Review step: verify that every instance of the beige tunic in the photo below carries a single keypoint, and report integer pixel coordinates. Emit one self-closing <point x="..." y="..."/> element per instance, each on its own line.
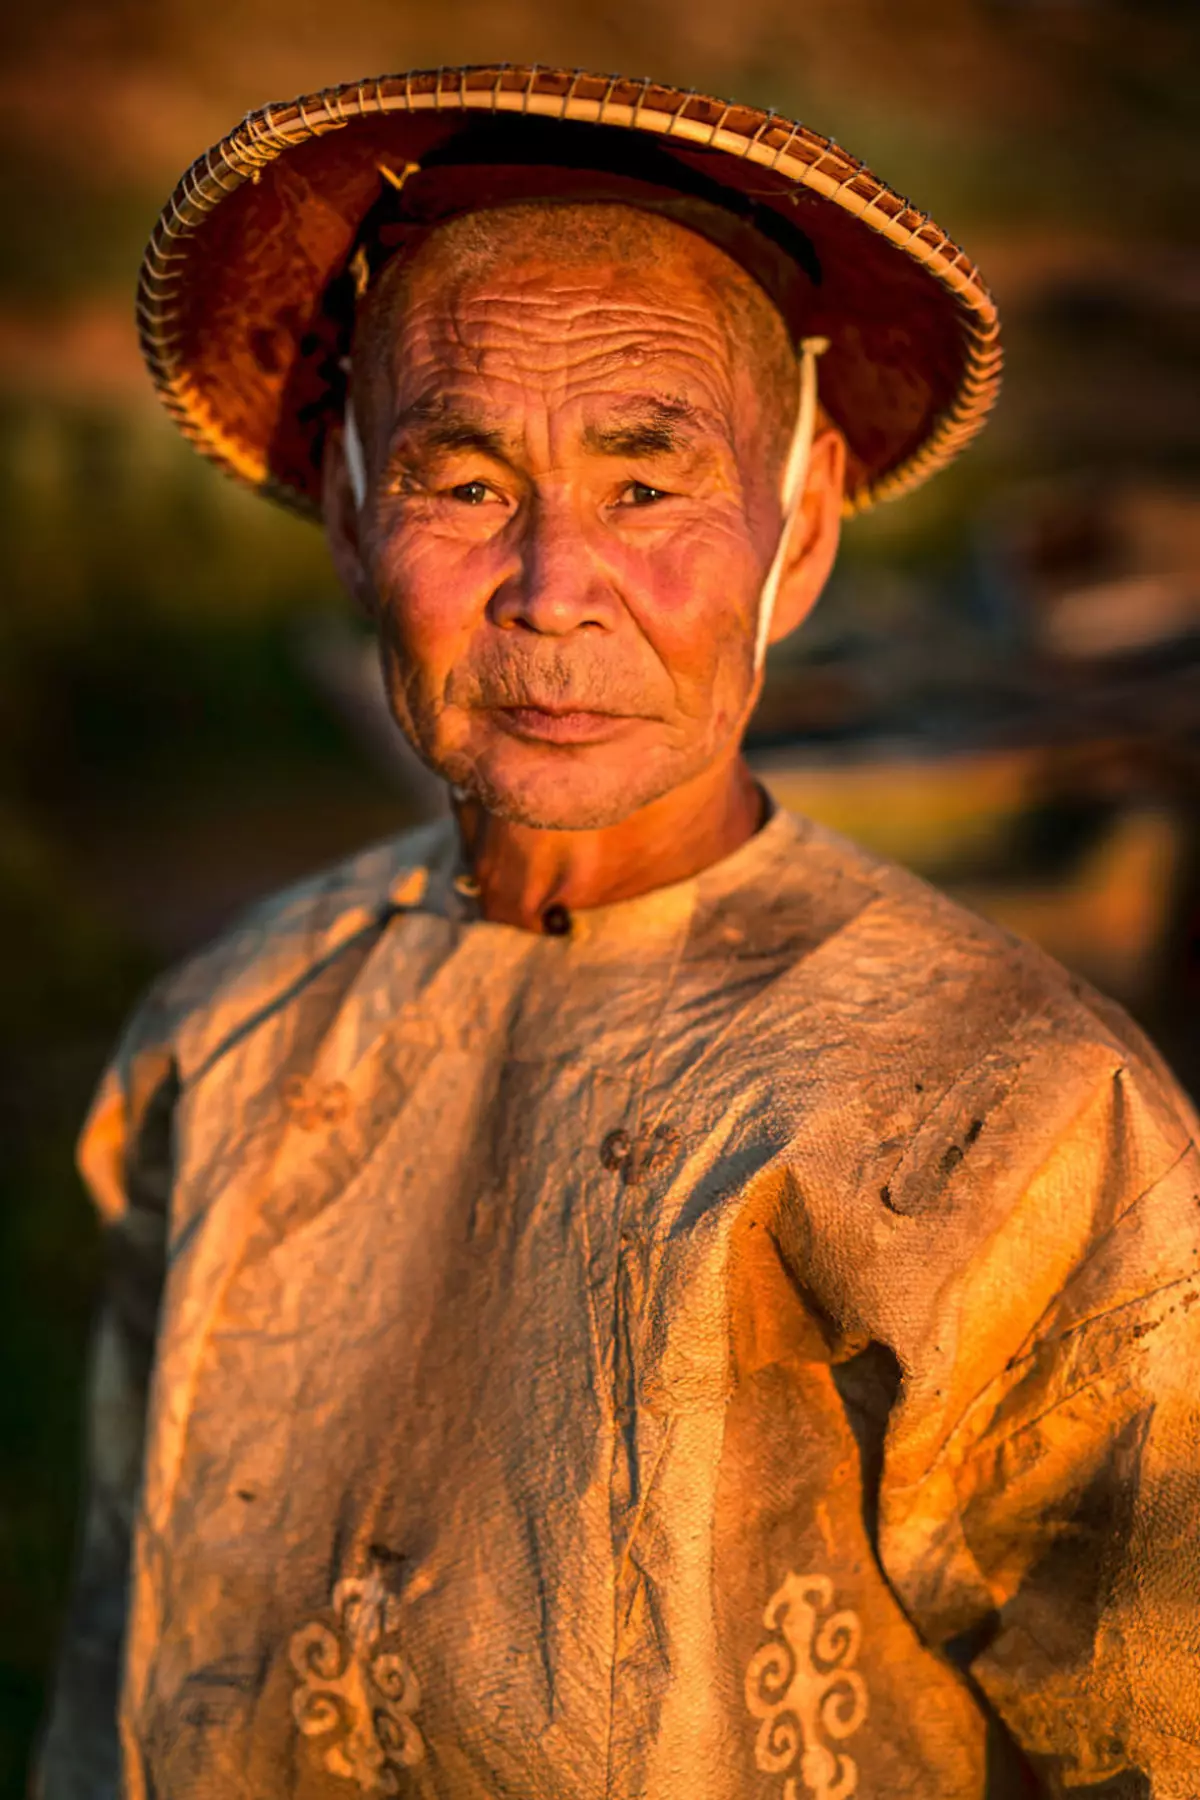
<point x="743" y="1349"/>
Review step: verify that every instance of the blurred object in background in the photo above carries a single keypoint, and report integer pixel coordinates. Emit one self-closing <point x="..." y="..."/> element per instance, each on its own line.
<point x="1002" y="686"/>
<point x="1109" y="570"/>
<point x="343" y="665"/>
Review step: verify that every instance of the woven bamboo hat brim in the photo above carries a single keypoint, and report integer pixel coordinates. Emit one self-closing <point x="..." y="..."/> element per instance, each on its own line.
<point x="246" y="350"/>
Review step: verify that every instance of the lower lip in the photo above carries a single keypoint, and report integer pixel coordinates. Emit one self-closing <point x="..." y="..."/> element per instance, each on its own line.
<point x="561" y="728"/>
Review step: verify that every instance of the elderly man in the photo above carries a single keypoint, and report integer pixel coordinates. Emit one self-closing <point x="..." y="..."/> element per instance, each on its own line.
<point x="622" y="1295"/>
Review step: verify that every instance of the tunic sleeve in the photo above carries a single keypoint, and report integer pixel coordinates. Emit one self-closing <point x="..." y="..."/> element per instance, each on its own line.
<point x="1070" y="1504"/>
<point x="1081" y="1501"/>
<point x="125" y="1158"/>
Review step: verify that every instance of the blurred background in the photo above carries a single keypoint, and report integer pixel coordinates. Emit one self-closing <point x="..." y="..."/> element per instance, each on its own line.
<point x="1002" y="687"/>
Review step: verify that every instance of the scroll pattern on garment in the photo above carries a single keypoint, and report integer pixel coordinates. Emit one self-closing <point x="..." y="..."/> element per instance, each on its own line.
<point x="806" y="1692"/>
<point x="355" y="1683"/>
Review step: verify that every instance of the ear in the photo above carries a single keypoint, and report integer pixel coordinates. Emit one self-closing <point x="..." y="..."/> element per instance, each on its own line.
<point x="813" y="540"/>
<point x="343" y="523"/>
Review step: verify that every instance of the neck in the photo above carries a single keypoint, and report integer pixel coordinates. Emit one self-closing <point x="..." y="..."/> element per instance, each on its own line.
<point x="521" y="870"/>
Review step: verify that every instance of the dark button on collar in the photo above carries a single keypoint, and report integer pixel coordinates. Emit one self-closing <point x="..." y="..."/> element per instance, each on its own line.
<point x="556" y="920"/>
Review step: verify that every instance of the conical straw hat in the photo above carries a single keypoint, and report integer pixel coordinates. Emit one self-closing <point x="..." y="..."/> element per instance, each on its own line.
<point x="246" y="339"/>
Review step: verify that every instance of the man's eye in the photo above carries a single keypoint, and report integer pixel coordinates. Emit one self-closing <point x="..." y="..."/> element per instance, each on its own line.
<point x="640" y="493"/>
<point x="471" y="493"/>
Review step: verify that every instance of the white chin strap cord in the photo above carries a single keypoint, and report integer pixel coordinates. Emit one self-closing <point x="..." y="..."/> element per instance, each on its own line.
<point x="795" y="479"/>
<point x="356" y="462"/>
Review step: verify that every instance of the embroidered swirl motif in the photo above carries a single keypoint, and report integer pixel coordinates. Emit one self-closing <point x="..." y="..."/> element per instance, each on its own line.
<point x="351" y="1683"/>
<point x="806" y="1690"/>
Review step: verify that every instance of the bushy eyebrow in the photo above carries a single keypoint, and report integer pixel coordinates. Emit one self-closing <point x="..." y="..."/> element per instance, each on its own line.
<point x="437" y="425"/>
<point x="641" y="427"/>
<point x="648" y="428"/>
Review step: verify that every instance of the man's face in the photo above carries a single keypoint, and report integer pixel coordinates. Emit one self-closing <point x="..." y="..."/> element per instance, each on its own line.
<point x="572" y="504"/>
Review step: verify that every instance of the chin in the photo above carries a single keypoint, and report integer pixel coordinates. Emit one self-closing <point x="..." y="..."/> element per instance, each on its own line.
<point x="551" y="793"/>
<point x="555" y="815"/>
<point x="554" y="806"/>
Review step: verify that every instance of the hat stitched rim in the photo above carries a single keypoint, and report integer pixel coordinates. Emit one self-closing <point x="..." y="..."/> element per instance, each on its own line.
<point x="767" y="139"/>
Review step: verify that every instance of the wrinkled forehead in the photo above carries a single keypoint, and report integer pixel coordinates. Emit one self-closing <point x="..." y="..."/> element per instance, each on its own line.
<point x="568" y="291"/>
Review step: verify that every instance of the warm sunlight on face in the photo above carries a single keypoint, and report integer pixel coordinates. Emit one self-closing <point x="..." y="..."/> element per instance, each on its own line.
<point x="572" y="502"/>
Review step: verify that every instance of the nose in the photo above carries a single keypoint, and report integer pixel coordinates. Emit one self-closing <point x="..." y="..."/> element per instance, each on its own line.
<point x="558" y="585"/>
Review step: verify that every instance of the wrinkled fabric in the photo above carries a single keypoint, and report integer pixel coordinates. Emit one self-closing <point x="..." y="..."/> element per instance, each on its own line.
<point x="743" y="1347"/>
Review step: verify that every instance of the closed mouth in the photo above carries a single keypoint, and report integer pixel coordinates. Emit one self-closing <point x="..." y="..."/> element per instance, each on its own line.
<point x="559" y="724"/>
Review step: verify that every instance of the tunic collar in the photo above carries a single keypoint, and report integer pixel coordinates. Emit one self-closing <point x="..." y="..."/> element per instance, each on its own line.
<point x="651" y="922"/>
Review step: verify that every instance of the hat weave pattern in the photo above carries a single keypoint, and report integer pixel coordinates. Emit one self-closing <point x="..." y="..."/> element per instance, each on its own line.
<point x="765" y="140"/>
